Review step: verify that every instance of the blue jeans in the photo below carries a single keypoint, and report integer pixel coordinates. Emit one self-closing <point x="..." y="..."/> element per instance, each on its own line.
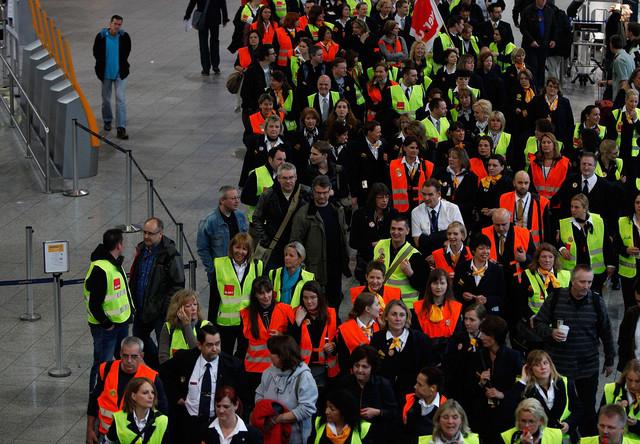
<point x="106" y="346"/>
<point x="121" y="111"/>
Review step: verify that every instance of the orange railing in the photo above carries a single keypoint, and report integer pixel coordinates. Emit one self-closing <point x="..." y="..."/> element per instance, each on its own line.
<point x="58" y="47"/>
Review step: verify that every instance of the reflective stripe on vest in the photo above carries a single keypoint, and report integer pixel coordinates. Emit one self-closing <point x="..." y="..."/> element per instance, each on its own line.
<point x="538" y="292"/>
<point x="398" y="279"/>
<point x="233" y="296"/>
<point x="508" y="202"/>
<point x="108" y="399"/>
<point x="126" y="435"/>
<point x="263" y="181"/>
<point x="627" y="264"/>
<point x="402" y="105"/>
<point x="595" y="243"/>
<point x="281" y="8"/>
<point x="244" y="57"/>
<point x="328" y="335"/>
<point x="284" y="41"/>
<point x="617" y="114"/>
<point x="117" y="300"/>
<point x="521" y="238"/>
<point x="400" y="185"/>
<point x="276" y="277"/>
<point x="619" y="164"/>
<point x="443" y="329"/>
<point x="549" y="186"/>
<point x="178" y="342"/>
<point x="257" y="358"/>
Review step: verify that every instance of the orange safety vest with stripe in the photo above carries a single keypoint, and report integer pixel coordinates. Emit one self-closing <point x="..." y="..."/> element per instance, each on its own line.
<point x="108" y="399"/>
<point x="549" y="186"/>
<point x="353" y="336"/>
<point x="400" y="185"/>
<point x="244" y="57"/>
<point x="440" y="259"/>
<point x="257" y="121"/>
<point x="285" y="42"/>
<point x="477" y="167"/>
<point x="396" y="47"/>
<point x="329" y="52"/>
<point x="521" y="238"/>
<point x="268" y="34"/>
<point x="445" y="327"/>
<point x="257" y="358"/>
<point x="388" y="293"/>
<point x="328" y="335"/>
<point x="508" y="202"/>
<point x="410" y="400"/>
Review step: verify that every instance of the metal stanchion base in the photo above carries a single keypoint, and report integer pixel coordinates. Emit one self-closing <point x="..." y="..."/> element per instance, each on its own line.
<point x="60" y="372"/>
<point x="30" y="317"/>
<point x="79" y="193"/>
<point x="128" y="228"/>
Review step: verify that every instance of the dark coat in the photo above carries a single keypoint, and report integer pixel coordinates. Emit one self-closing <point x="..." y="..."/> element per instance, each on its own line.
<point x="365" y="170"/>
<point x="530" y="30"/>
<point x="626" y="337"/>
<point x="251" y="436"/>
<point x="562" y="117"/>
<point x="599" y="199"/>
<point x="464" y="196"/>
<point x="253" y="86"/>
<point x="485" y="32"/>
<point x="491" y="285"/>
<point x="166" y="277"/>
<point x="100" y="53"/>
<point x="216" y="12"/>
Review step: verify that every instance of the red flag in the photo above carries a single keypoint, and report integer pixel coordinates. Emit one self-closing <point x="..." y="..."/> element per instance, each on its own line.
<point x="426" y="21"/>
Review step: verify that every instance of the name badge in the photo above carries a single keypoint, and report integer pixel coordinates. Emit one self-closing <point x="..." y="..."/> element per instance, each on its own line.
<point x="365" y="185"/>
<point x="228" y="290"/>
<point x="116" y="284"/>
<point x="400" y="105"/>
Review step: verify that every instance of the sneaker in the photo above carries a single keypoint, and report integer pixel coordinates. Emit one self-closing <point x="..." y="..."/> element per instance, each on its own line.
<point x="107" y="126"/>
<point x="122" y="133"/>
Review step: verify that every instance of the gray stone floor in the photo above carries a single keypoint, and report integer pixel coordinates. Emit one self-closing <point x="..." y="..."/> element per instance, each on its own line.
<point x="184" y="134"/>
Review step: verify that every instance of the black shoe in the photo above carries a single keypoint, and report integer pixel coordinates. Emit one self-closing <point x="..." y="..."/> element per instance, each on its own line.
<point x="204" y="73"/>
<point x="107" y="126"/>
<point x="122" y="133"/>
<point x="216" y="71"/>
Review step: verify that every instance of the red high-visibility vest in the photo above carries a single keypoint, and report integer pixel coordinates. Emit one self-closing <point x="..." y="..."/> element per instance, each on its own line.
<point x="388" y="293"/>
<point x="328" y="335"/>
<point x="443" y="329"/>
<point x="549" y="186"/>
<point x="353" y="336"/>
<point x="286" y="47"/>
<point x="244" y="57"/>
<point x="329" y="53"/>
<point x="521" y="238"/>
<point x="478" y="168"/>
<point x="257" y="121"/>
<point x="400" y="185"/>
<point x="440" y="259"/>
<point x="257" y="358"/>
<point x="396" y="47"/>
<point x="508" y="202"/>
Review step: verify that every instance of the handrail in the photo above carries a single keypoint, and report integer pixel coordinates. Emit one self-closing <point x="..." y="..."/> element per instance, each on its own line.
<point x="128" y="152"/>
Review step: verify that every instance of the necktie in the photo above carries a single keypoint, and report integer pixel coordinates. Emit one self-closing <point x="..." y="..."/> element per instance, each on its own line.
<point x="325" y="108"/>
<point x="585" y="186"/>
<point x="434" y="221"/>
<point x="520" y="213"/>
<point x="501" y="245"/>
<point x="437" y="125"/>
<point x="205" y="392"/>
<point x="396" y="344"/>
<point x="407" y="92"/>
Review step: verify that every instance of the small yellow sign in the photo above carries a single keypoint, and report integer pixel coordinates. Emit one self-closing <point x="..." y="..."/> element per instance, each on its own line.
<point x="55" y="248"/>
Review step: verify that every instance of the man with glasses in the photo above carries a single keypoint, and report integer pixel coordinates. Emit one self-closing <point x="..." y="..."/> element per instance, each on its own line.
<point x="218" y="228"/>
<point x="157" y="273"/>
<point x="106" y="398"/>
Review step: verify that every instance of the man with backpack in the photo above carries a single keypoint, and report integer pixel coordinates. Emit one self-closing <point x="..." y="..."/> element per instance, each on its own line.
<point x="572" y="323"/>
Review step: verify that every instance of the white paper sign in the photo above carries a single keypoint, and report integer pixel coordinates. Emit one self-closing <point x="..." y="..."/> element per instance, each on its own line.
<point x="56" y="256"/>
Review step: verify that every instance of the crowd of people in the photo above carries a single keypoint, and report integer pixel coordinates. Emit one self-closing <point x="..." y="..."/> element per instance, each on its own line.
<point x="480" y="221"/>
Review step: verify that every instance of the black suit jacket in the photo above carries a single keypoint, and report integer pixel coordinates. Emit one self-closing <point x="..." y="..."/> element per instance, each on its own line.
<point x="530" y="30"/>
<point x="176" y="373"/>
<point x="599" y="199"/>
<point x="216" y="13"/>
<point x="366" y="169"/>
<point x="485" y="32"/>
<point x="491" y="285"/>
<point x="562" y="118"/>
<point x="626" y="337"/>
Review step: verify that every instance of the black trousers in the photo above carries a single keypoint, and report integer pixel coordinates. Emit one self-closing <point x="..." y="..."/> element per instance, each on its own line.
<point x="586" y="388"/>
<point x="228" y="337"/>
<point x="190" y="429"/>
<point x="537" y="58"/>
<point x="628" y="291"/>
<point x="208" y="39"/>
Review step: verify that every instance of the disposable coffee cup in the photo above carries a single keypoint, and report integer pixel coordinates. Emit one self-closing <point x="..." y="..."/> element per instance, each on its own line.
<point x="565" y="331"/>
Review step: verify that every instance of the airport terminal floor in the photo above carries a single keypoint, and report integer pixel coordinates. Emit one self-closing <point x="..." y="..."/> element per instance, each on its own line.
<point x="185" y="135"/>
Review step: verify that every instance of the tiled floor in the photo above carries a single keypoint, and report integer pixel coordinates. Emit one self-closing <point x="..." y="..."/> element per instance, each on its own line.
<point x="183" y="133"/>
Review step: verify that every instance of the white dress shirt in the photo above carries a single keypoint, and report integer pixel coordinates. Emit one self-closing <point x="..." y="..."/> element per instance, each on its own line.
<point x="425" y="408"/>
<point x="240" y="427"/>
<point x="549" y="396"/>
<point x="192" y="403"/>
<point x="591" y="182"/>
<point x="421" y="217"/>
<point x="526" y="200"/>
<point x="240" y="269"/>
<point x="474" y="268"/>
<point x="403" y="338"/>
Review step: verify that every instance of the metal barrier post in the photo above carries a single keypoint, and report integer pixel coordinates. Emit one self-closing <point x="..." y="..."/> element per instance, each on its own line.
<point x="76" y="191"/>
<point x="149" y="198"/>
<point x="27" y="130"/>
<point x="179" y="237"/>
<point x="128" y="227"/>
<point x="192" y="274"/>
<point x="29" y="315"/>
<point x="11" y="101"/>
<point x="58" y="371"/>
<point x="47" y="160"/>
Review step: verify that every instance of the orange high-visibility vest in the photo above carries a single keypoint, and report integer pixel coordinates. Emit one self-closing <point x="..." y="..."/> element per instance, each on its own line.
<point x="257" y="358"/>
<point x="549" y="186"/>
<point x="443" y="329"/>
<point x="286" y="47"/>
<point x="396" y="47"/>
<point x="521" y="238"/>
<point x="244" y="57"/>
<point x="269" y="33"/>
<point x="329" y="53"/>
<point x="400" y="185"/>
<point x="353" y="336"/>
<point x="108" y="399"/>
<point x="328" y="335"/>
<point x="478" y="168"/>
<point x="257" y="121"/>
<point x="508" y="202"/>
<point x="440" y="259"/>
<point x="388" y="293"/>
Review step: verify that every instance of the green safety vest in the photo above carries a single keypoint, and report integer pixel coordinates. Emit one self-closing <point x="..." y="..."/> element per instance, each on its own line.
<point x="471" y="438"/>
<point x="402" y="105"/>
<point x="475" y="93"/>
<point x="335" y="96"/>
<point x="532" y="148"/>
<point x="508" y="49"/>
<point x="503" y="144"/>
<point x="595" y="241"/>
<point x="474" y="44"/>
<point x="315" y="29"/>
<point x="117" y="302"/>
<point x="276" y="278"/>
<point x="617" y="114"/>
<point x="549" y="435"/>
<point x="233" y="296"/>
<point x="539" y="293"/>
<point x="432" y="132"/>
<point x="263" y="181"/>
<point x="576" y="133"/>
<point x="613" y="393"/>
<point x="619" y="165"/>
<point x="294" y="66"/>
<point x="596" y="440"/>
<point x="178" y="342"/>
<point x="289" y="124"/>
<point x="281" y="8"/>
<point x="392" y="73"/>
<point x="126" y="435"/>
<point x="353" y="3"/>
<point x="446" y="43"/>
<point x="626" y="264"/>
<point x="356" y="436"/>
<point x="398" y="279"/>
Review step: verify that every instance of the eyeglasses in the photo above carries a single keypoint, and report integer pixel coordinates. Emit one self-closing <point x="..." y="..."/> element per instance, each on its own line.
<point x="126" y="357"/>
<point x="151" y="233"/>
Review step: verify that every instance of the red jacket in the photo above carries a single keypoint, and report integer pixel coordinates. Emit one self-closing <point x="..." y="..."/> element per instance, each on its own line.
<point x="279" y="433"/>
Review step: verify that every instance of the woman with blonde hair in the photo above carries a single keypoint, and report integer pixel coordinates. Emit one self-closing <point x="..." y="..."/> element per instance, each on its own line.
<point x="423" y="63"/>
<point x="450" y="424"/>
<point x="531" y="426"/>
<point x="184" y="319"/>
<point x="556" y="393"/>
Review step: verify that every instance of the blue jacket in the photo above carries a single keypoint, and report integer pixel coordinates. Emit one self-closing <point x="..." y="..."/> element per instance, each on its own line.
<point x="213" y="237"/>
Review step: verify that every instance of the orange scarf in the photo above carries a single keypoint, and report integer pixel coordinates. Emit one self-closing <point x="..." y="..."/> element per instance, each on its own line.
<point x="552" y="105"/>
<point x="549" y="278"/>
<point x="341" y="438"/>
<point x="435" y="314"/>
<point x="529" y="94"/>
<point x="490" y="180"/>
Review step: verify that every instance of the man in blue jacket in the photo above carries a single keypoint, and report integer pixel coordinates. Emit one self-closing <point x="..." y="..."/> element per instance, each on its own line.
<point x="111" y="50"/>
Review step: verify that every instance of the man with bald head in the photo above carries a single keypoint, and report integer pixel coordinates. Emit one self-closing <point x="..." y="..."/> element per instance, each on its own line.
<point x="513" y="248"/>
<point x="324" y="100"/>
<point x="528" y="210"/>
